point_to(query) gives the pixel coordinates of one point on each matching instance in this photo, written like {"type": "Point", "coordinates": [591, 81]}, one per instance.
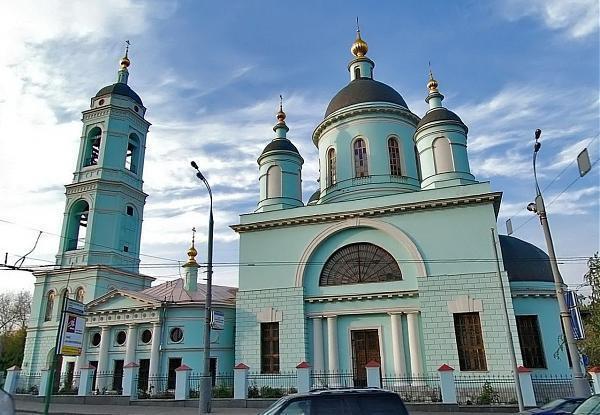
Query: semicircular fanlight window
{"type": "Point", "coordinates": [360, 263]}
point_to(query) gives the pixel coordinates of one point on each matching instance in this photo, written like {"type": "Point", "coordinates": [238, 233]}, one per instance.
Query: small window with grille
{"type": "Point", "coordinates": [394, 152]}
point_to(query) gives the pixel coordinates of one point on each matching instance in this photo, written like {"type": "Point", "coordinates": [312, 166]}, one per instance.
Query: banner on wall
{"type": "Point", "coordinates": [73, 324]}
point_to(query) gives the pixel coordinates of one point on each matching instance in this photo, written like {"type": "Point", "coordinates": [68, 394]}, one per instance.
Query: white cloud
{"type": "Point", "coordinates": [577, 18]}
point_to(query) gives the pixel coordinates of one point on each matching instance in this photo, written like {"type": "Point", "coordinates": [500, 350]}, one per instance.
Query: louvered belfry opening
{"type": "Point", "coordinates": [360, 263]}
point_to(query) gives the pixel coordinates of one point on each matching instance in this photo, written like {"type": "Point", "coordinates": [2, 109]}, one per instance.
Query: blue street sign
{"type": "Point", "coordinates": [576, 321]}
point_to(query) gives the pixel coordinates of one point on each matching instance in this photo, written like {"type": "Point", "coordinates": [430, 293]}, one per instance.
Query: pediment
{"type": "Point", "coordinates": [118, 300]}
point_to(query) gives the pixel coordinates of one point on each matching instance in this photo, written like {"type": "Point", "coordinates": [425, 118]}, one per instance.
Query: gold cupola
{"type": "Point", "coordinates": [359, 48]}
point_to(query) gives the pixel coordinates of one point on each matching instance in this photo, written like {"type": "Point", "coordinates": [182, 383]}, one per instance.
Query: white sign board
{"type": "Point", "coordinates": [73, 324]}
{"type": "Point", "coordinates": [217, 321]}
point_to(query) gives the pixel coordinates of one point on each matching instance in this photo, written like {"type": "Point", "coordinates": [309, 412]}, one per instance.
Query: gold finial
{"type": "Point", "coordinates": [192, 251]}
{"type": "Point", "coordinates": [281, 114]}
{"type": "Point", "coordinates": [359, 48]}
{"type": "Point", "coordinates": [125, 62]}
{"type": "Point", "coordinates": [432, 84]}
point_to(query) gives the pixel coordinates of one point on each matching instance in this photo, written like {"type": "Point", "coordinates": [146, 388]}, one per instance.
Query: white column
{"type": "Point", "coordinates": [447, 385]}
{"type": "Point", "coordinates": [131, 343]}
{"type": "Point", "coordinates": [595, 374]}
{"type": "Point", "coordinates": [240, 381]}
{"type": "Point", "coordinates": [526, 387]}
{"type": "Point", "coordinates": [154, 368]}
{"type": "Point", "coordinates": [332, 344]}
{"type": "Point", "coordinates": [414, 343]}
{"type": "Point", "coordinates": [318, 358]}
{"type": "Point", "coordinates": [398, 345]}
{"type": "Point", "coordinates": [103, 358]}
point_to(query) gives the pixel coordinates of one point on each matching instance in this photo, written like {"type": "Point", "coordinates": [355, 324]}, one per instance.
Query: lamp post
{"type": "Point", "coordinates": [205, 380]}
{"type": "Point", "coordinates": [580, 385]}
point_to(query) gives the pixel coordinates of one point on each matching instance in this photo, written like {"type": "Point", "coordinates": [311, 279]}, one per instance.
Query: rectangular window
{"type": "Point", "coordinates": [469, 341]}
{"type": "Point", "coordinates": [530, 340]}
{"type": "Point", "coordinates": [269, 348]}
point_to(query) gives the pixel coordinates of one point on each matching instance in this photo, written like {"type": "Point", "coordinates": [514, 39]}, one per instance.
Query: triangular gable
{"type": "Point", "coordinates": [117, 299]}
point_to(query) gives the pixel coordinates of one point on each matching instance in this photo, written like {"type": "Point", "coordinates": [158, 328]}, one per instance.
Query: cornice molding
{"type": "Point", "coordinates": [370, 212]}
{"type": "Point", "coordinates": [358, 297]}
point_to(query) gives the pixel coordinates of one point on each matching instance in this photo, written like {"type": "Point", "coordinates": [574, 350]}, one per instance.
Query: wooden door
{"type": "Point", "coordinates": [365, 348]}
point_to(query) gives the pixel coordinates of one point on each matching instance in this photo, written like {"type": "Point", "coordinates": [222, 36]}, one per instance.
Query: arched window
{"type": "Point", "coordinates": [79, 294]}
{"type": "Point", "coordinates": [132, 155]}
{"type": "Point", "coordinates": [394, 152]}
{"type": "Point", "coordinates": [92, 147]}
{"type": "Point", "coordinates": [331, 167]}
{"type": "Point", "coordinates": [442, 154]}
{"type": "Point", "coordinates": [77, 225]}
{"type": "Point", "coordinates": [356, 72]}
{"type": "Point", "coordinates": [360, 263]}
{"type": "Point", "coordinates": [49, 305]}
{"type": "Point", "coordinates": [361, 165]}
{"type": "Point", "coordinates": [274, 182]}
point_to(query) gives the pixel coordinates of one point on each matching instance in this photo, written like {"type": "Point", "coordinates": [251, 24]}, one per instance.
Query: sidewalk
{"type": "Point", "coordinates": [26, 407]}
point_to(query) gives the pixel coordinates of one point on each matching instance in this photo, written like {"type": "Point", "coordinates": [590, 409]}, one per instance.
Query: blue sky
{"type": "Point", "coordinates": [211, 77]}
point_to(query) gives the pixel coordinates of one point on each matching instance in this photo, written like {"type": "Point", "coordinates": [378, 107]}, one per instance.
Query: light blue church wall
{"type": "Point", "coordinates": [546, 308]}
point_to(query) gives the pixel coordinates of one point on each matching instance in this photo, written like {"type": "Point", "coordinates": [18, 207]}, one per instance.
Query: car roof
{"type": "Point", "coordinates": [343, 391]}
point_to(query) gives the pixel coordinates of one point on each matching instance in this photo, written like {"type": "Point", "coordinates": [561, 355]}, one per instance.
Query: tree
{"type": "Point", "coordinates": [591, 312]}
{"type": "Point", "coordinates": [15, 309]}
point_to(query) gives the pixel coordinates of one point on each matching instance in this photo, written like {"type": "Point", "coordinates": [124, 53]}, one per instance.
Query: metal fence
{"type": "Point", "coordinates": [154, 387]}
{"type": "Point", "coordinates": [68, 383]}
{"type": "Point", "coordinates": [325, 380]}
{"type": "Point", "coordinates": [29, 383]}
{"type": "Point", "coordinates": [486, 390]}
{"type": "Point", "coordinates": [222, 385]}
{"type": "Point", "coordinates": [549, 387]}
{"type": "Point", "coordinates": [108, 383]}
{"type": "Point", "coordinates": [271, 385]}
{"type": "Point", "coordinates": [414, 388]}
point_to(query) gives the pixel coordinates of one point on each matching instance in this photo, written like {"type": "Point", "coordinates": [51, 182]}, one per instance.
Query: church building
{"type": "Point", "coordinates": [395, 259]}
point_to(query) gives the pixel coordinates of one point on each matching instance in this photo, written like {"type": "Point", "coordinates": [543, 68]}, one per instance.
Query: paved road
{"type": "Point", "coordinates": [25, 407]}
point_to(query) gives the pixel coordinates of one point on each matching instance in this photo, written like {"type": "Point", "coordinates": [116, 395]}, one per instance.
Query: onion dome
{"type": "Point", "coordinates": [440, 114]}
{"type": "Point", "coordinates": [524, 261]}
{"type": "Point", "coordinates": [359, 48]}
{"type": "Point", "coordinates": [280, 142]}
{"type": "Point", "coordinates": [364, 90]}
{"type": "Point", "coordinates": [192, 251]}
{"type": "Point", "coordinates": [120, 88]}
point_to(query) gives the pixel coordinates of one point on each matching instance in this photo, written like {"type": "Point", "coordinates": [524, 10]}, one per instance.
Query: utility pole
{"type": "Point", "coordinates": [580, 384]}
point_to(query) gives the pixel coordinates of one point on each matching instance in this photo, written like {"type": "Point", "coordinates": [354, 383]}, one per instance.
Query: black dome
{"type": "Point", "coordinates": [315, 196]}
{"type": "Point", "coordinates": [439, 114]}
{"type": "Point", "coordinates": [524, 261]}
{"type": "Point", "coordinates": [364, 90]}
{"type": "Point", "coordinates": [280, 144]}
{"type": "Point", "coordinates": [120, 89]}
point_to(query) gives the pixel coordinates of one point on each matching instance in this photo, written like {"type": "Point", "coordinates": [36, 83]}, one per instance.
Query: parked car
{"type": "Point", "coordinates": [591, 406]}
{"type": "Point", "coordinates": [556, 407]}
{"type": "Point", "coordinates": [7, 405]}
{"type": "Point", "coordinates": [369, 401]}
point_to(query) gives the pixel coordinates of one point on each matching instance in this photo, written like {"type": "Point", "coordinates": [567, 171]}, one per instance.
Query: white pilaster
{"type": "Point", "coordinates": [447, 385]}
{"type": "Point", "coordinates": [414, 344]}
{"type": "Point", "coordinates": [373, 374]}
{"type": "Point", "coordinates": [332, 344]}
{"type": "Point", "coordinates": [303, 377]}
{"type": "Point", "coordinates": [103, 358]}
{"type": "Point", "coordinates": [130, 374]}
{"type": "Point", "coordinates": [131, 343]}
{"type": "Point", "coordinates": [398, 345]}
{"type": "Point", "coordinates": [318, 358]}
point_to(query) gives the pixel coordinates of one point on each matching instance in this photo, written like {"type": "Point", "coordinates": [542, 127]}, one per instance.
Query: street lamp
{"type": "Point", "coordinates": [205, 394]}
{"type": "Point", "coordinates": [580, 385]}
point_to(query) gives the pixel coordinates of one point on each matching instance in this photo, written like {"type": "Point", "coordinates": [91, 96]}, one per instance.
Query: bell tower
{"type": "Point", "coordinates": [102, 221]}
